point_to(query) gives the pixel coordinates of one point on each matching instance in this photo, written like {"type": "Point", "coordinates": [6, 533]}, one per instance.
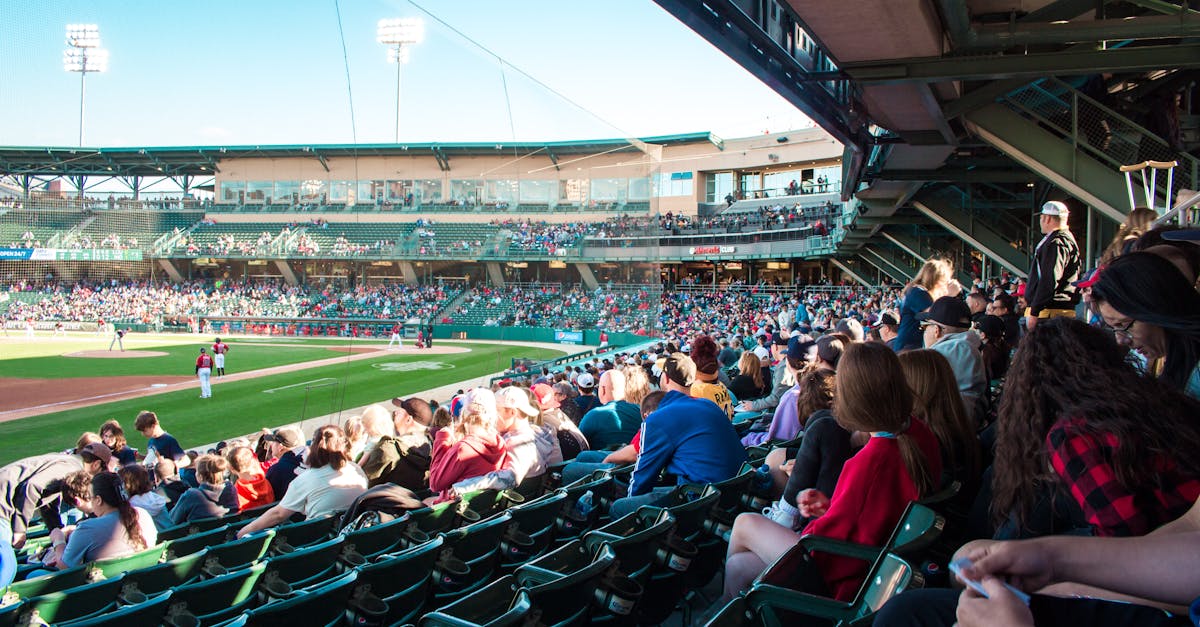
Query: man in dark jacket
{"type": "Point", "coordinates": [34, 485]}
{"type": "Point", "coordinates": [403, 459]}
{"type": "Point", "coordinates": [1049, 292]}
{"type": "Point", "coordinates": [288, 445]}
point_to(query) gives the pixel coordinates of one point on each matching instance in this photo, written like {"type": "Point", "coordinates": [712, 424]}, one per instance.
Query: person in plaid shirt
{"type": "Point", "coordinates": [1077, 418]}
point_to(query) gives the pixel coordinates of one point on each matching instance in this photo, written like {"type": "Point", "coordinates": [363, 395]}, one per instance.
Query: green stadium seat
{"type": "Point", "coordinates": [304, 568]}
{"type": "Point", "coordinates": [62, 580]}
{"type": "Point", "coordinates": [395, 535]}
{"type": "Point", "coordinates": [635, 539]}
{"type": "Point", "coordinates": [444, 516]}
{"type": "Point", "coordinates": [500, 604]}
{"type": "Point", "coordinates": [86, 601]}
{"type": "Point", "coordinates": [239, 553]}
{"type": "Point", "coordinates": [218, 599]}
{"type": "Point", "coordinates": [324, 606]}
{"type": "Point", "coordinates": [292, 536]}
{"type": "Point", "coordinates": [198, 542]}
{"type": "Point", "coordinates": [777, 605]}
{"type": "Point", "coordinates": [148, 614]}
{"type": "Point", "coordinates": [561, 584]}
{"type": "Point", "coordinates": [478, 546]}
{"type": "Point", "coordinates": [536, 519]}
{"type": "Point", "coordinates": [116, 566]}
{"type": "Point", "coordinates": [487, 503]}
{"type": "Point", "coordinates": [402, 580]}
{"type": "Point", "coordinates": [167, 575]}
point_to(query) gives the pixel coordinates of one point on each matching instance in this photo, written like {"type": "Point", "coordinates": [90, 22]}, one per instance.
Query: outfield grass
{"type": "Point", "coordinates": [241, 407]}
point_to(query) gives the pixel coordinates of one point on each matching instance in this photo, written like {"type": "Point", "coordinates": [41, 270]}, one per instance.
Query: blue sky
{"type": "Point", "coordinates": [272, 72]}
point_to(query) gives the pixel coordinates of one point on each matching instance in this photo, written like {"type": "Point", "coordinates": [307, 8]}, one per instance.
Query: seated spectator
{"type": "Point", "coordinates": [469, 448]}
{"type": "Point", "coordinates": [356, 433]}
{"type": "Point", "coordinates": [253, 489]}
{"type": "Point", "coordinates": [586, 400]}
{"type": "Point", "coordinates": [213, 498]}
{"type": "Point", "coordinates": [748, 384]}
{"type": "Point", "coordinates": [566, 395]}
{"type": "Point", "coordinates": [947, 328]}
{"type": "Point", "coordinates": [403, 458]}
{"type": "Point", "coordinates": [994, 347]}
{"type": "Point", "coordinates": [116, 529]}
{"type": "Point", "coordinates": [1082, 410]}
{"type": "Point", "coordinates": [780, 384]}
{"type": "Point", "coordinates": [33, 486]}
{"type": "Point", "coordinates": [822, 453]}
{"type": "Point", "coordinates": [113, 436]}
{"type": "Point", "coordinates": [707, 385]}
{"type": "Point", "coordinates": [785, 424]}
{"type": "Point", "coordinates": [687, 437]}
{"type": "Point", "coordinates": [1004, 306]}
{"type": "Point", "coordinates": [937, 404]}
{"type": "Point", "coordinates": [286, 446]}
{"type": "Point", "coordinates": [531, 449]}
{"type": "Point", "coordinates": [329, 485]}
{"type": "Point", "coordinates": [377, 422]}
{"type": "Point", "coordinates": [141, 493]}
{"type": "Point", "coordinates": [571, 440]}
{"type": "Point", "coordinates": [615, 421]}
{"type": "Point", "coordinates": [934, 280]}
{"type": "Point", "coordinates": [167, 482]}
{"type": "Point", "coordinates": [1153, 309]}
{"type": "Point", "coordinates": [899, 464]}
{"type": "Point", "coordinates": [161, 444]}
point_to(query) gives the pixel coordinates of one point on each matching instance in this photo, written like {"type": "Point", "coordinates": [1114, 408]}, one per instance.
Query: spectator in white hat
{"type": "Point", "coordinates": [1049, 291]}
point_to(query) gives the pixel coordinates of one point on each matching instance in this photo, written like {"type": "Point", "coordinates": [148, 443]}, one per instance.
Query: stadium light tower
{"type": "Point", "coordinates": [84, 55]}
{"type": "Point", "coordinates": [399, 35]}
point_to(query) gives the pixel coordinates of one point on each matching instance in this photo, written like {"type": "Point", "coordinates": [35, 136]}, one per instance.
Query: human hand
{"type": "Point", "coordinates": [787, 466]}
{"type": "Point", "coordinates": [744, 406]}
{"type": "Point", "coordinates": [1001, 608]}
{"type": "Point", "coordinates": [953, 287]}
{"type": "Point", "coordinates": [1025, 564]}
{"type": "Point", "coordinates": [812, 503]}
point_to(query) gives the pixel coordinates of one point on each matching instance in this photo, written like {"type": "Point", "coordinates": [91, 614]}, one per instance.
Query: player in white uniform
{"type": "Point", "coordinates": [219, 349]}
{"type": "Point", "coordinates": [396, 339]}
{"type": "Point", "coordinates": [204, 372]}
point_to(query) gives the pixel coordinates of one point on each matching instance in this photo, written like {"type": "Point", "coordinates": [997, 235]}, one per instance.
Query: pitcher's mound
{"type": "Point", "coordinates": [116, 354]}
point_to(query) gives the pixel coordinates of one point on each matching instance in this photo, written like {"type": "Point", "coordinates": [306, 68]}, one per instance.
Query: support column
{"type": "Point", "coordinates": [588, 277]}
{"type": "Point", "coordinates": [171, 270]}
{"type": "Point", "coordinates": [495, 275]}
{"type": "Point", "coordinates": [410, 272]}
{"type": "Point", "coordinates": [286, 271]}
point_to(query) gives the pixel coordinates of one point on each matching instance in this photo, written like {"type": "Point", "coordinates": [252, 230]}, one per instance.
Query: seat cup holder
{"type": "Point", "coordinates": [676, 554]}
{"type": "Point", "coordinates": [618, 595]}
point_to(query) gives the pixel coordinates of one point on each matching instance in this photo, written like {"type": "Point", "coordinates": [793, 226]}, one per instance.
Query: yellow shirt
{"type": "Point", "coordinates": [715, 392]}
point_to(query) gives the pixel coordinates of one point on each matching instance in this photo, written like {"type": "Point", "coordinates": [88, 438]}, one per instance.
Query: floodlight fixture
{"type": "Point", "coordinates": [84, 55]}
{"type": "Point", "coordinates": [399, 34]}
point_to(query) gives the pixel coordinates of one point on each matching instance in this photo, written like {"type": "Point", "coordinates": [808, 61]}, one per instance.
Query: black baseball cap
{"type": "Point", "coordinates": [948, 311]}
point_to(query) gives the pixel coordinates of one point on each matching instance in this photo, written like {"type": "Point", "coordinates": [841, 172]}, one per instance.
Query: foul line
{"type": "Point", "coordinates": [84, 400]}
{"type": "Point", "coordinates": [296, 385]}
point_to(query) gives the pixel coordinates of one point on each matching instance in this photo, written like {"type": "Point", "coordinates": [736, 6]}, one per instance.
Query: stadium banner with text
{"type": "Point", "coordinates": [67, 254]}
{"type": "Point", "coordinates": [568, 337]}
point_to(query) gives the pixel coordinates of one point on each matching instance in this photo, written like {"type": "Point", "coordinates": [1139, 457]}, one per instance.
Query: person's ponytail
{"type": "Point", "coordinates": [111, 489]}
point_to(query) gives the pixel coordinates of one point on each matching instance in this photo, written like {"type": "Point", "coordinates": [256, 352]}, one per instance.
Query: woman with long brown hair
{"type": "Point", "coordinates": [934, 280]}
{"type": "Point", "coordinates": [1086, 423]}
{"type": "Point", "coordinates": [331, 482]}
{"type": "Point", "coordinates": [899, 464]}
{"type": "Point", "coordinates": [936, 401]}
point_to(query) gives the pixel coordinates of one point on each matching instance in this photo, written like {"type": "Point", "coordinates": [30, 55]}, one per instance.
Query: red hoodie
{"type": "Point", "coordinates": [254, 492]}
{"type": "Point", "coordinates": [472, 456]}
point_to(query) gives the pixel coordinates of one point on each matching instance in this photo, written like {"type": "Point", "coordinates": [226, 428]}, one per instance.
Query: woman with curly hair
{"type": "Point", "coordinates": [1087, 424]}
{"type": "Point", "coordinates": [1153, 309]}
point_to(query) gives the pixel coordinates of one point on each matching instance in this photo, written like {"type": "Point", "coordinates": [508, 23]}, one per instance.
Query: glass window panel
{"type": "Point", "coordinates": [286, 192]}
{"type": "Point", "coordinates": [258, 191]}
{"type": "Point", "coordinates": [639, 188]}
{"type": "Point", "coordinates": [232, 191]}
{"type": "Point", "coordinates": [501, 192]}
{"type": "Point", "coordinates": [314, 191]}
{"type": "Point", "coordinates": [572, 192]}
{"type": "Point", "coordinates": [466, 192]}
{"type": "Point", "coordinates": [538, 192]}
{"type": "Point", "coordinates": [607, 190]}
{"type": "Point", "coordinates": [427, 190]}
{"type": "Point", "coordinates": [339, 191]}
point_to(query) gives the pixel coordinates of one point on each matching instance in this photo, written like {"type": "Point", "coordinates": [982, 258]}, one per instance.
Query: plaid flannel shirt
{"type": "Point", "coordinates": [1083, 461]}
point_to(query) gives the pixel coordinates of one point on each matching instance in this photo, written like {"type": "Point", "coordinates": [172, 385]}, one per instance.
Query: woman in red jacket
{"type": "Point", "coordinates": [471, 447]}
{"type": "Point", "coordinates": [899, 464]}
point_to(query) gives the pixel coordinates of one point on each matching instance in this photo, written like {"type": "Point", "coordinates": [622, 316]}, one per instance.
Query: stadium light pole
{"type": "Point", "coordinates": [84, 55]}
{"type": "Point", "coordinates": [399, 35]}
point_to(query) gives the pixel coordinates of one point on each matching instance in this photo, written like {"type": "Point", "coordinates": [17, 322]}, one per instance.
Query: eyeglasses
{"type": "Point", "coordinates": [1123, 330]}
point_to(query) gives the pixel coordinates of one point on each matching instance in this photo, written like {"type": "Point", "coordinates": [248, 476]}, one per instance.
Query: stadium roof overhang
{"type": "Point", "coordinates": [206, 160]}
{"type": "Point", "coordinates": [901, 82]}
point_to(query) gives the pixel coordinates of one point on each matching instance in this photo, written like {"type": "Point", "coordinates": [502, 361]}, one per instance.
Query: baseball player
{"type": "Point", "coordinates": [118, 339]}
{"type": "Point", "coordinates": [29, 328]}
{"type": "Point", "coordinates": [204, 365]}
{"type": "Point", "coordinates": [219, 349]}
{"type": "Point", "coordinates": [100, 328]}
{"type": "Point", "coordinates": [396, 337]}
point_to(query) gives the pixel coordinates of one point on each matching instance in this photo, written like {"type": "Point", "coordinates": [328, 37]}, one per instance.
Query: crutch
{"type": "Point", "coordinates": [1150, 182]}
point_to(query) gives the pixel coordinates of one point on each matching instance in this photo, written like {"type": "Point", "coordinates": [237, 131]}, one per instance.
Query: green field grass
{"type": "Point", "coordinates": [241, 407]}
{"type": "Point", "coordinates": [179, 361]}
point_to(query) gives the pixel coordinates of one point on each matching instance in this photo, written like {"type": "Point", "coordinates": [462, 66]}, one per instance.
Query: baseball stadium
{"type": "Point", "coordinates": [495, 341]}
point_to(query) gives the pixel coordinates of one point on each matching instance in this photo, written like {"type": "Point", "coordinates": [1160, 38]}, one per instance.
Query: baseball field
{"type": "Point", "coordinates": [52, 389]}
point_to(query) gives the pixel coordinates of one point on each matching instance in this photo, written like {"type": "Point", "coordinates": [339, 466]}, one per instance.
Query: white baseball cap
{"type": "Point", "coordinates": [1055, 208]}
{"type": "Point", "coordinates": [585, 380]}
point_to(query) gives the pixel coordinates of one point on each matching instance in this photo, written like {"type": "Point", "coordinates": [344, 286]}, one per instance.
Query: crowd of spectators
{"type": "Point", "coordinates": [395, 301]}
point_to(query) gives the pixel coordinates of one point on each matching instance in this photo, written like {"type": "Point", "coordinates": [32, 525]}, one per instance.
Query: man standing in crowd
{"type": "Point", "coordinates": [1049, 291]}
{"type": "Point", "coordinates": [204, 365]}
{"type": "Point", "coordinates": [690, 438]}
{"type": "Point", "coordinates": [219, 349]}
{"type": "Point", "coordinates": [34, 485]}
